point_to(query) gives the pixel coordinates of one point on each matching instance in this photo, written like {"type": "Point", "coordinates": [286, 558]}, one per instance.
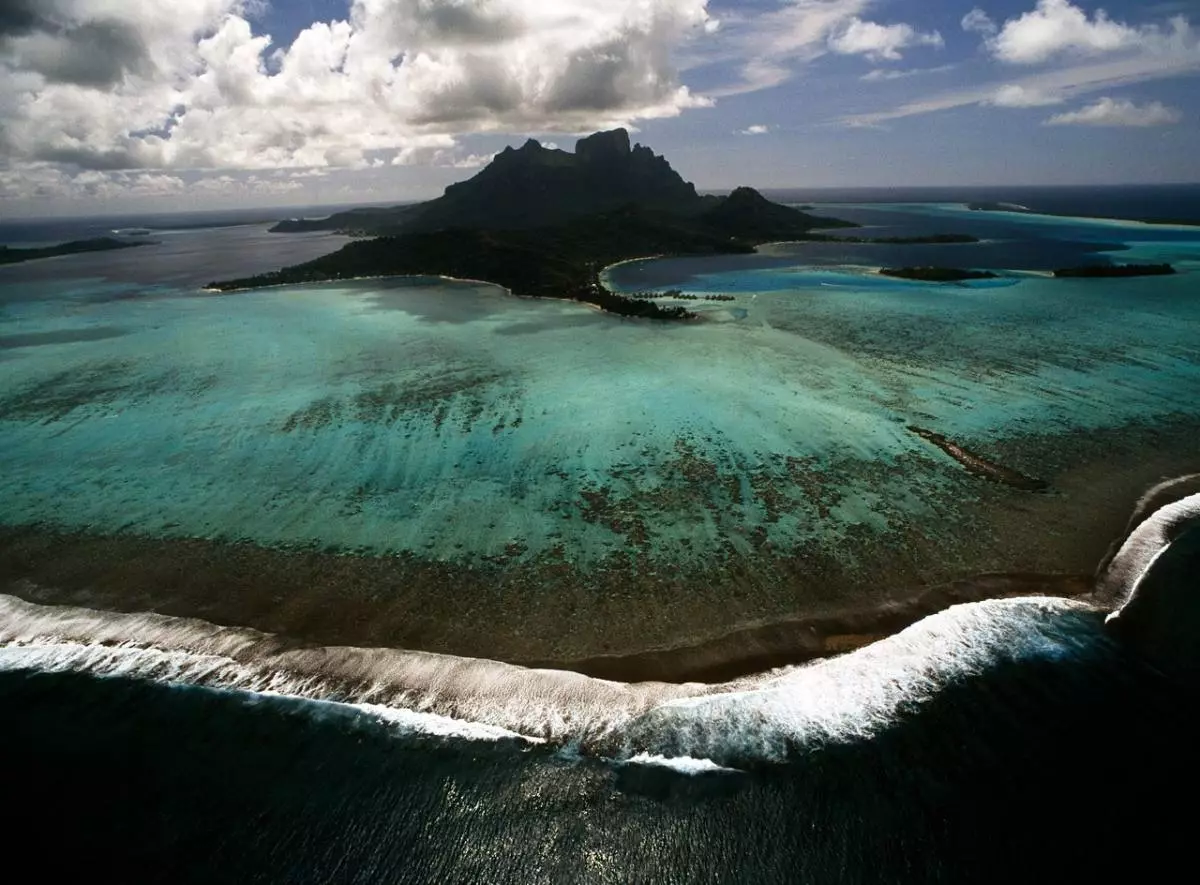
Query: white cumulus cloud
{"type": "Point", "coordinates": [756, 129]}
{"type": "Point", "coordinates": [1118, 112]}
{"type": "Point", "coordinates": [769, 48]}
{"type": "Point", "coordinates": [123, 85]}
{"type": "Point", "coordinates": [1117, 55]}
{"type": "Point", "coordinates": [877, 41]}
{"type": "Point", "coordinates": [1056, 27]}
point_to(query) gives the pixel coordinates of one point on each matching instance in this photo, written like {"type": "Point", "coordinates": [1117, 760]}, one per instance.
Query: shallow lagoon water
{"type": "Point", "coordinates": [456, 422]}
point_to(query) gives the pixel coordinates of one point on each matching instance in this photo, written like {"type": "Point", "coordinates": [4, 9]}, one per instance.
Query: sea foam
{"type": "Point", "coordinates": [760, 720]}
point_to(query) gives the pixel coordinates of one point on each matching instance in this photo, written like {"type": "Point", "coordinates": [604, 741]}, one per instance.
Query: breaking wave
{"type": "Point", "coordinates": [692, 728]}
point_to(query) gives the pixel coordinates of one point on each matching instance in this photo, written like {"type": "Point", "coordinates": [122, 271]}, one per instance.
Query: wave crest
{"type": "Point", "coordinates": [764, 719]}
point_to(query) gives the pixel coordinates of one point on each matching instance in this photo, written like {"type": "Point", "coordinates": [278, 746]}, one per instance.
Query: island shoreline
{"type": "Point", "coordinates": [507, 292]}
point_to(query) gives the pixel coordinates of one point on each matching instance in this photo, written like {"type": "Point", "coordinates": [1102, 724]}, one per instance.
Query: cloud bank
{"type": "Point", "coordinates": [1070, 54]}
{"type": "Point", "coordinates": [107, 85]}
{"type": "Point", "coordinates": [771, 47]}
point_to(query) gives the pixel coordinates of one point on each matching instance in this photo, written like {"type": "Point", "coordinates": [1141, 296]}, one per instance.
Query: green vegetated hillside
{"type": "Point", "coordinates": [544, 222]}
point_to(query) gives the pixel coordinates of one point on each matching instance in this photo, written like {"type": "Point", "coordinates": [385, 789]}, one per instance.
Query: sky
{"type": "Point", "coordinates": [143, 105]}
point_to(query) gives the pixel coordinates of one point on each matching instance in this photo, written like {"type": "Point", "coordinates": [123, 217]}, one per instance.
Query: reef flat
{"type": "Point", "coordinates": [627, 619]}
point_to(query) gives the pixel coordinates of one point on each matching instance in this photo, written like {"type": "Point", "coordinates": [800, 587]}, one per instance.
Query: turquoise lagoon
{"type": "Point", "coordinates": [458, 423]}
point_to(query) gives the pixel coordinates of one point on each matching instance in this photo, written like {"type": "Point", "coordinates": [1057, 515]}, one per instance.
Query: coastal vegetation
{"type": "Point", "coordinates": [512, 225]}
{"type": "Point", "coordinates": [544, 223]}
{"type": "Point", "coordinates": [1116, 271]}
{"type": "Point", "coordinates": [679, 295]}
{"type": "Point", "coordinates": [10, 255]}
{"type": "Point", "coordinates": [554, 262]}
{"type": "Point", "coordinates": [937, 274]}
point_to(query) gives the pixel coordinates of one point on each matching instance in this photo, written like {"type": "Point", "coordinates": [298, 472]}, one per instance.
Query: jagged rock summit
{"type": "Point", "coordinates": [534, 186]}
{"type": "Point", "coordinates": [539, 187]}
{"type": "Point", "coordinates": [543, 222]}
{"type": "Point", "coordinates": [604, 145]}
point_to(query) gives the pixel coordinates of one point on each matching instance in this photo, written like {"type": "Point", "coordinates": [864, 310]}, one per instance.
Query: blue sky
{"type": "Point", "coordinates": [134, 104]}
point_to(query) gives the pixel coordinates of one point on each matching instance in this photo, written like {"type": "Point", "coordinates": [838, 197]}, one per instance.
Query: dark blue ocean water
{"type": "Point", "coordinates": [1067, 763]}
{"type": "Point", "coordinates": [49, 231]}
{"type": "Point", "coordinates": [1160, 202]}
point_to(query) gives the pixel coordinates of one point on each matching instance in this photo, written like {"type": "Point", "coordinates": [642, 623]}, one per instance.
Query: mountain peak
{"type": "Point", "coordinates": [747, 198]}
{"type": "Point", "coordinates": [610, 145]}
{"type": "Point", "coordinates": [747, 213]}
{"type": "Point", "coordinates": [534, 186]}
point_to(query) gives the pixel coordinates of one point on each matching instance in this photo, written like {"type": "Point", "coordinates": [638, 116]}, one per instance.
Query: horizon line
{"type": "Point", "coordinates": [398, 201]}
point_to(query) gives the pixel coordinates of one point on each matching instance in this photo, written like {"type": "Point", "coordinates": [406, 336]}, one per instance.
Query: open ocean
{"type": "Point", "coordinates": [449, 424]}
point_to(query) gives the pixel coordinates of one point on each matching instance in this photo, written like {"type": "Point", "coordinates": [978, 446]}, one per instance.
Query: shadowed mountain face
{"type": "Point", "coordinates": [747, 214]}
{"type": "Point", "coordinates": [543, 223]}
{"type": "Point", "coordinates": [535, 186]}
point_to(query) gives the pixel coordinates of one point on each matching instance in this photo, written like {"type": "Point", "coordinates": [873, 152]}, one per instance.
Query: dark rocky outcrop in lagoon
{"type": "Point", "coordinates": [937, 274]}
{"type": "Point", "coordinates": [1115, 271]}
{"type": "Point", "coordinates": [978, 465]}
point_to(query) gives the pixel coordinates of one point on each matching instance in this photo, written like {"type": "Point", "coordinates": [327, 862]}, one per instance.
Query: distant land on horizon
{"type": "Point", "coordinates": [1177, 203]}
{"type": "Point", "coordinates": [9, 255]}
